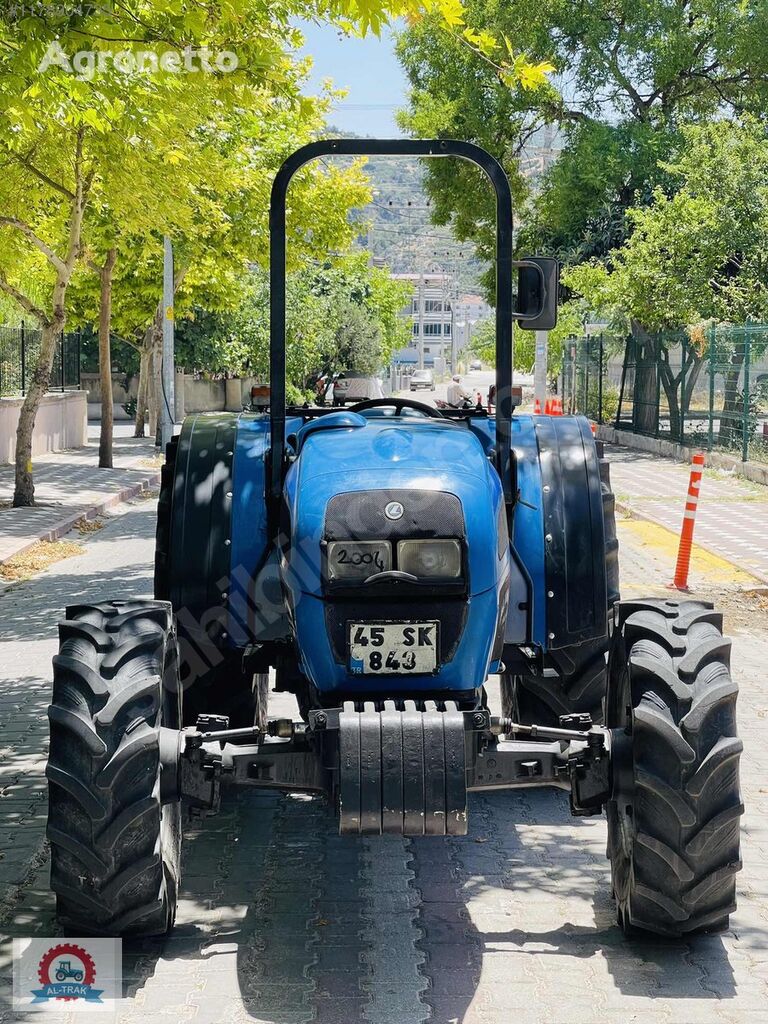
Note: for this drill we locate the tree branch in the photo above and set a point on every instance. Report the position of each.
(22, 300)
(26, 161)
(55, 260)
(562, 113)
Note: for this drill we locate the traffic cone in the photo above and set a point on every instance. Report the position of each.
(557, 406)
(548, 407)
(537, 408)
(683, 564)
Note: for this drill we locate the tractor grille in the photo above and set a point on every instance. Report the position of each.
(359, 515)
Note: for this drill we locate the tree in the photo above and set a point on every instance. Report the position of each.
(340, 315)
(629, 74)
(69, 137)
(364, 304)
(697, 255)
(49, 246)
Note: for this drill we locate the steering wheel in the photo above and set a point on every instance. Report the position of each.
(398, 404)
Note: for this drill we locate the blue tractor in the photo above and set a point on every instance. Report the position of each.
(383, 561)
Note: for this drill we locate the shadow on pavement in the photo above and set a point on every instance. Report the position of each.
(276, 917)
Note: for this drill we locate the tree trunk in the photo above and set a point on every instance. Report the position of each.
(691, 379)
(24, 491)
(670, 383)
(646, 390)
(150, 367)
(145, 368)
(52, 328)
(156, 393)
(105, 360)
(732, 416)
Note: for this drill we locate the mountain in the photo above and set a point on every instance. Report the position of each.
(401, 232)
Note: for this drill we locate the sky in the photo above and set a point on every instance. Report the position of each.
(368, 69)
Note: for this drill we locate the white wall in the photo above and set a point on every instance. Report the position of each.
(62, 422)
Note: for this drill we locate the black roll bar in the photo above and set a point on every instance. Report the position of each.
(504, 265)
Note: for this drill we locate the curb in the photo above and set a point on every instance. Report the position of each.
(633, 513)
(87, 512)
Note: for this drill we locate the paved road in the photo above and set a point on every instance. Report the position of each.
(732, 516)
(283, 921)
(479, 380)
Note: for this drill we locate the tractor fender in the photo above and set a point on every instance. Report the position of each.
(212, 526)
(574, 538)
(557, 530)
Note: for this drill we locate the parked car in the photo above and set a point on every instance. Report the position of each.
(352, 387)
(422, 380)
(475, 365)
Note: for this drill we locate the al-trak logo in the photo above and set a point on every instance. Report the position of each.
(67, 972)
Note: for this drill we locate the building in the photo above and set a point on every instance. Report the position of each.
(430, 314)
(468, 310)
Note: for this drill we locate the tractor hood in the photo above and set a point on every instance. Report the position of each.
(395, 484)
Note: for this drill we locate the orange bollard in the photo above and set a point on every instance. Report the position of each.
(680, 582)
(537, 408)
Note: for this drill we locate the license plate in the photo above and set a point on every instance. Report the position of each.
(405, 648)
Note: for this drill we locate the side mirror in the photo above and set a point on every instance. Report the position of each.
(538, 284)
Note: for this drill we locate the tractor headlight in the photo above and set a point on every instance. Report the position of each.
(430, 559)
(358, 559)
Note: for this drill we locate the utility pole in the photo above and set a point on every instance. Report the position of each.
(540, 368)
(453, 339)
(166, 398)
(421, 320)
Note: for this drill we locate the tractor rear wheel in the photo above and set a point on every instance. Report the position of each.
(214, 679)
(572, 679)
(673, 818)
(115, 839)
(227, 687)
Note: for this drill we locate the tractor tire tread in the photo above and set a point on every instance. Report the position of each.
(105, 811)
(687, 816)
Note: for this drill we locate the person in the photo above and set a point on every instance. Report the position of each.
(457, 395)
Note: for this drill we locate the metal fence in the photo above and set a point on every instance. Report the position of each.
(705, 388)
(19, 351)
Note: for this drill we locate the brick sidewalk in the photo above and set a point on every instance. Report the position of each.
(69, 485)
(732, 517)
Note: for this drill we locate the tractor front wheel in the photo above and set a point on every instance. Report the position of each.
(115, 838)
(673, 817)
